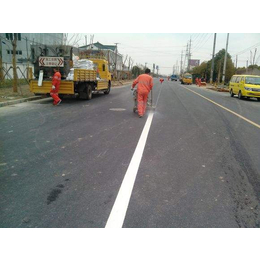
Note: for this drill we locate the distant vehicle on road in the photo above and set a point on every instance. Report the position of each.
(245, 86)
(174, 77)
(186, 79)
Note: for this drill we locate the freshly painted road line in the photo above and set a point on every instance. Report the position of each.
(230, 111)
(117, 215)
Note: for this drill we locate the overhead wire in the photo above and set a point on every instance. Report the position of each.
(199, 47)
(249, 48)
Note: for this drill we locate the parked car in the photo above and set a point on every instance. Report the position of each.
(245, 86)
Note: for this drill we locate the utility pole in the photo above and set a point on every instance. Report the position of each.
(181, 63)
(236, 61)
(116, 60)
(189, 56)
(129, 67)
(254, 56)
(185, 56)
(225, 61)
(27, 57)
(212, 62)
(246, 66)
(14, 43)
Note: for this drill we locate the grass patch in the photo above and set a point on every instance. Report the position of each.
(8, 83)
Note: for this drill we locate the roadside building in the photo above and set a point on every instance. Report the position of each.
(23, 49)
(114, 58)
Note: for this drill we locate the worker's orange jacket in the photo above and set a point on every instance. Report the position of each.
(145, 83)
(56, 82)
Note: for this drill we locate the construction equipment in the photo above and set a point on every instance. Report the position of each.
(84, 82)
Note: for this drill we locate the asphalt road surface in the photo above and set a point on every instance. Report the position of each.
(198, 153)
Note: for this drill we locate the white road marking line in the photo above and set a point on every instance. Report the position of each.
(117, 215)
(230, 111)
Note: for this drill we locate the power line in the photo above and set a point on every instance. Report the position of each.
(140, 48)
(200, 41)
(247, 49)
(196, 37)
(198, 48)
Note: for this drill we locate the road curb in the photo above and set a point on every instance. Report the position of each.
(17, 101)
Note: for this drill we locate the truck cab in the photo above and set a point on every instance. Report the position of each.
(103, 74)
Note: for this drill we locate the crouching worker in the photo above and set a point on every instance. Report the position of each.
(55, 87)
(145, 85)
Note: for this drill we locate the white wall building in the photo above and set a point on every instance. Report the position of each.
(23, 49)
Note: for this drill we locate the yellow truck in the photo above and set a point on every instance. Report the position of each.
(186, 79)
(84, 82)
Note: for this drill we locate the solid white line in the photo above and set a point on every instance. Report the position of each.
(117, 215)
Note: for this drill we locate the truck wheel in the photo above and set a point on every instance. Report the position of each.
(88, 92)
(108, 89)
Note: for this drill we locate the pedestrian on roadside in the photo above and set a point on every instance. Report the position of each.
(145, 85)
(55, 87)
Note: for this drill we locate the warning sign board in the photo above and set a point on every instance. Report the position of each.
(51, 61)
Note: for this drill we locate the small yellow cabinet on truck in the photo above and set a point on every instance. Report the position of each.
(84, 82)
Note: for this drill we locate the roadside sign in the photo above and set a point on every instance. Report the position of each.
(51, 61)
(40, 78)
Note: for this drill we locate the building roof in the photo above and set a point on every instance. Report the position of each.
(101, 46)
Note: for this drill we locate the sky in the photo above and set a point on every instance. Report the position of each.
(164, 49)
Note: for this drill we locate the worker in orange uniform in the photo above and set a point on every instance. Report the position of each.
(145, 85)
(55, 87)
(199, 82)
